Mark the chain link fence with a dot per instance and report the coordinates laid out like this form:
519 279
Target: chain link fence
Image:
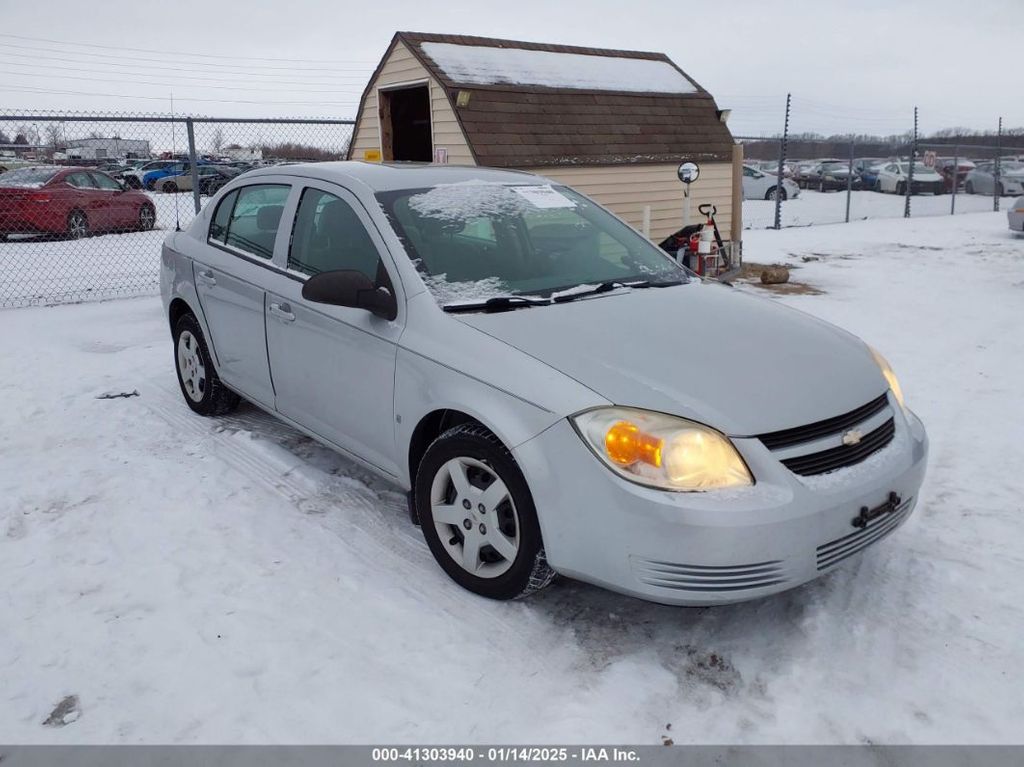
87 199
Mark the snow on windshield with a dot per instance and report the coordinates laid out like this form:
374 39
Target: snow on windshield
472 199
448 293
481 65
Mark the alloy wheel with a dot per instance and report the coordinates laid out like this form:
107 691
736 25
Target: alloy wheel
475 517
191 367
147 217
78 225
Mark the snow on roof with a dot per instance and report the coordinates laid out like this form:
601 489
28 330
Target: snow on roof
482 65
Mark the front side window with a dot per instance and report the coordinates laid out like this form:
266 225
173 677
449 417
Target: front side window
328 236
255 215
81 181
221 216
538 239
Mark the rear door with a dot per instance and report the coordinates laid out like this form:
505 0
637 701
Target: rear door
230 279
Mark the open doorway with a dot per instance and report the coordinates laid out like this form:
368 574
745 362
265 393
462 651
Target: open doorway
405 124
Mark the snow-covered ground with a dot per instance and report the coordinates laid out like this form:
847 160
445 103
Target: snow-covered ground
813 207
201 581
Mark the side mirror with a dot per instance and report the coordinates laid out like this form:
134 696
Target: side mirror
353 289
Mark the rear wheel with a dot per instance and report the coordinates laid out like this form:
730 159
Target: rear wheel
901 188
770 194
147 218
969 188
78 225
478 517
170 187
200 385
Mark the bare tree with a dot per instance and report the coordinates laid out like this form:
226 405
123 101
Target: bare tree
217 141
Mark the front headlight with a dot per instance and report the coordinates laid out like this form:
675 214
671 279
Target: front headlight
662 451
890 376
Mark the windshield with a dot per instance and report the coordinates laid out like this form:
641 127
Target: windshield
833 166
919 167
472 241
27 178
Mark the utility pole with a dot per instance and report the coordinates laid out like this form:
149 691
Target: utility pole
910 172
779 188
998 166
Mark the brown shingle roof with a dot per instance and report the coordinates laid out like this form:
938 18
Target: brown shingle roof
516 125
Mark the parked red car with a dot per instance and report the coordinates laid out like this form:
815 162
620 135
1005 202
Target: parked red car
71 201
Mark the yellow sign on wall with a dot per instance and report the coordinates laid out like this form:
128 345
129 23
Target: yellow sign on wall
371 155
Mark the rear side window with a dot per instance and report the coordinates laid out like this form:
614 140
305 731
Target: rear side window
105 182
81 181
221 216
328 236
247 220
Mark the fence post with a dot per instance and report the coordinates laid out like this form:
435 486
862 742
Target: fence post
998 167
849 184
956 178
910 170
782 162
192 162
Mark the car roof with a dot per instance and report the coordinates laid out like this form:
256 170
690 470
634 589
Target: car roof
386 177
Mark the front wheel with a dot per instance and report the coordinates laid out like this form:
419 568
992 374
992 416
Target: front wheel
478 517
78 225
200 385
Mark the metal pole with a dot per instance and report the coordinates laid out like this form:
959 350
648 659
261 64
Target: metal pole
956 178
192 162
849 183
910 171
998 167
782 162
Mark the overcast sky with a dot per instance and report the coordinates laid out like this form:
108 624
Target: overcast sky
851 66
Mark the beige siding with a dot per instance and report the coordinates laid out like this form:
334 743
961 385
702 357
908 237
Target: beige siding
626 189
403 67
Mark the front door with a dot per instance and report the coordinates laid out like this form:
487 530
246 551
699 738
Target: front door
334 367
230 279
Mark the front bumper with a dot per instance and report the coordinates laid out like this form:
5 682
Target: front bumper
716 547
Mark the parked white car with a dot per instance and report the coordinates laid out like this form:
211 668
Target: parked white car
892 177
1015 215
519 361
982 180
758 185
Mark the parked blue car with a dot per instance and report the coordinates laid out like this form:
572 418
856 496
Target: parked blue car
174 169
867 169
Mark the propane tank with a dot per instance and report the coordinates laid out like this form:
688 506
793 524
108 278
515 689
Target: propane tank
707 244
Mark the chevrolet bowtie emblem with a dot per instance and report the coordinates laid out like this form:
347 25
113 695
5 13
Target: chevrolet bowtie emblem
852 437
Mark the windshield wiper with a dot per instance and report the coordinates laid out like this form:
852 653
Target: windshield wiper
606 287
496 304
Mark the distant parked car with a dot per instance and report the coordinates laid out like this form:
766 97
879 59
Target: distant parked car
211 178
72 201
982 180
152 178
944 167
802 173
893 176
866 169
835 176
758 185
1015 215
134 178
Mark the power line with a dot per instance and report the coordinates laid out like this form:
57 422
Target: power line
106 56
181 53
262 102
361 78
185 85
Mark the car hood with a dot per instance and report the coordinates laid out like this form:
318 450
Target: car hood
740 363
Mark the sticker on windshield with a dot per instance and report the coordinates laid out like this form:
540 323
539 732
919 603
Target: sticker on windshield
543 196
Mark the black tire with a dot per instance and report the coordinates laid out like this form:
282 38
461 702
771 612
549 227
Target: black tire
901 188
969 188
147 217
132 182
529 571
216 398
77 225
169 187
770 194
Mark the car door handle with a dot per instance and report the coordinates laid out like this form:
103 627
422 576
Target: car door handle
283 312
207 278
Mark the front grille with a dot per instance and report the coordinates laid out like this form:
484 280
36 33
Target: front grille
840 423
708 577
836 551
844 455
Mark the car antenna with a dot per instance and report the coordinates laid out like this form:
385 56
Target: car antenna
174 151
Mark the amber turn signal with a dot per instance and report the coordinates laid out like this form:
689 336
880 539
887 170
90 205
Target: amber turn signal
625 444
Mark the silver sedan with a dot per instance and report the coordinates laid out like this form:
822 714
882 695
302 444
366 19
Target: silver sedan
521 363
